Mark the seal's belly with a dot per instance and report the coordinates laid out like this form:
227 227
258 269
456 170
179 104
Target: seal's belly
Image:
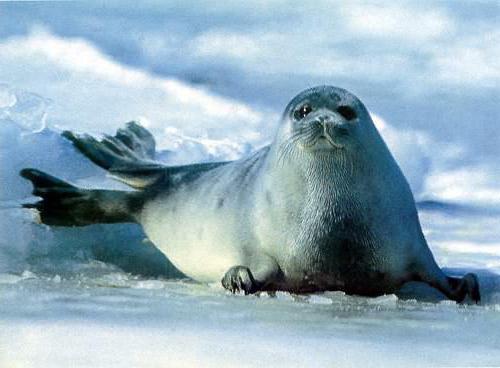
199 250
200 239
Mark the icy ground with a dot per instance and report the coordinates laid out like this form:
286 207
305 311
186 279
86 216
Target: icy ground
102 296
106 320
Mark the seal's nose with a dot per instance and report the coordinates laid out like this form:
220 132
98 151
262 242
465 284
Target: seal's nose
325 121
331 125
328 121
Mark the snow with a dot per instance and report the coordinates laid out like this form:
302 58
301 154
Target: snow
103 296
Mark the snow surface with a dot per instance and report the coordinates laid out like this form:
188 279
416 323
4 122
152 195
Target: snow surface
103 296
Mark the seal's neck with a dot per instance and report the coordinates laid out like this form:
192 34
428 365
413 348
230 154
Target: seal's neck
323 183
330 181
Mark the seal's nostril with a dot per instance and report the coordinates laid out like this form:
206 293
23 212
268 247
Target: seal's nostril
325 118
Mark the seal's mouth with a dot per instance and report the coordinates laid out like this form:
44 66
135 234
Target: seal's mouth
314 140
321 142
326 139
324 133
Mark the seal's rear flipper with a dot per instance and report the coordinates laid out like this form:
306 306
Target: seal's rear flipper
131 148
63 204
455 288
132 145
129 157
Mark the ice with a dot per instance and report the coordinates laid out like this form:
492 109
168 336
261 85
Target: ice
318 299
28 110
182 324
7 98
103 296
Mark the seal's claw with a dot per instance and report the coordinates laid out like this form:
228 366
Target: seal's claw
239 278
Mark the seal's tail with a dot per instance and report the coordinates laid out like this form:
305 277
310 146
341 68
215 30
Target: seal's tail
63 204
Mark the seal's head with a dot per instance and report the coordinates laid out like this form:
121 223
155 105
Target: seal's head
325 119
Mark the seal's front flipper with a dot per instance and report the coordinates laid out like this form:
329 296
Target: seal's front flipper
63 204
240 278
262 273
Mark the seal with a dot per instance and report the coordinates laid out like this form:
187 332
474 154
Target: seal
323 207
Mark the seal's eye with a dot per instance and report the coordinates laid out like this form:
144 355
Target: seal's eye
301 112
347 112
